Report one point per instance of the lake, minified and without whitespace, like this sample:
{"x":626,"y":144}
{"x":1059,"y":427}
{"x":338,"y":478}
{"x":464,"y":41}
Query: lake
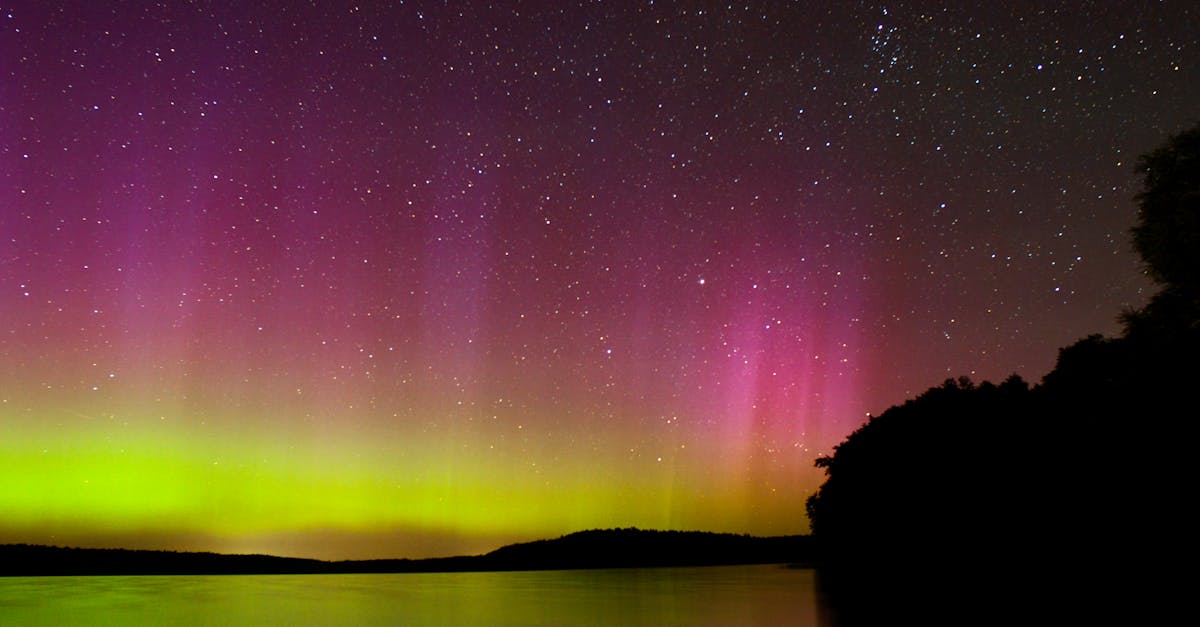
{"x":718,"y":595}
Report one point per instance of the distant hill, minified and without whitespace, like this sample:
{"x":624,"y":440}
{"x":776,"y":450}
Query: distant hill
{"x":612,"y":548}
{"x":621,"y":548}
{"x":33,"y":560}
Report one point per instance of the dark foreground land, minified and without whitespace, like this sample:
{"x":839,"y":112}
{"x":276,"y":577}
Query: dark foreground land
{"x":617,"y":548}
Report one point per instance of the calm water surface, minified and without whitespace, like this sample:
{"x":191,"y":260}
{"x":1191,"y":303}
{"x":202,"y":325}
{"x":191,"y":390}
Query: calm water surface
{"x":724,"y":595}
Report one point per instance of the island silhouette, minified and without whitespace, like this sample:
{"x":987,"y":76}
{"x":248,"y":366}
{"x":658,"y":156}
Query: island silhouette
{"x":598,"y":548}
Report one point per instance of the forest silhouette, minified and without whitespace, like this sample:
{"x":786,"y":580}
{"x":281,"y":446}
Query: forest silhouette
{"x":596,"y":548}
{"x":1072,"y":494}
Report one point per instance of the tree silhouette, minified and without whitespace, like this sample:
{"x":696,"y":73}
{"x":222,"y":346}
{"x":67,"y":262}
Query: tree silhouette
{"x":922,"y":474}
{"x":1090,"y":472}
{"x":1167,"y":234}
{"x":1167,"y":237}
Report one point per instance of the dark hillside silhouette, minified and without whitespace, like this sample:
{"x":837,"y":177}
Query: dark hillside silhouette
{"x":626,"y":548}
{"x":607,"y":548}
{"x":1075,"y":493}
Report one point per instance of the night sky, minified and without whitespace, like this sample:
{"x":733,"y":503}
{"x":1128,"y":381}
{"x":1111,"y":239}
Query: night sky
{"x":316,"y":279}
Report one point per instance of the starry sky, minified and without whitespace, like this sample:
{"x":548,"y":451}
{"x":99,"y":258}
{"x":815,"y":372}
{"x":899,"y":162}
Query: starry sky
{"x":422,"y":278}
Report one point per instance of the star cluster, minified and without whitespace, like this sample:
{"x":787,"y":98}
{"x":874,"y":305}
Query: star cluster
{"x":382,"y":279}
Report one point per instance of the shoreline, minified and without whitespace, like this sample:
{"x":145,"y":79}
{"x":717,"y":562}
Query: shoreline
{"x":597,"y":549}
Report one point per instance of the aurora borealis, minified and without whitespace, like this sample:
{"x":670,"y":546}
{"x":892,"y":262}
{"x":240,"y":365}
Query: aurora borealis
{"x":349,"y":280}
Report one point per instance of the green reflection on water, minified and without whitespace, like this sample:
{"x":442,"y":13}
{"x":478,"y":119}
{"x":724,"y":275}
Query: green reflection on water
{"x":727,"y":595}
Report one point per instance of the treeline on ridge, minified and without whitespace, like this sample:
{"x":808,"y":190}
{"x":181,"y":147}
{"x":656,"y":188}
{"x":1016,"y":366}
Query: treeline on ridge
{"x":600,"y":548}
{"x":1080,"y":481}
